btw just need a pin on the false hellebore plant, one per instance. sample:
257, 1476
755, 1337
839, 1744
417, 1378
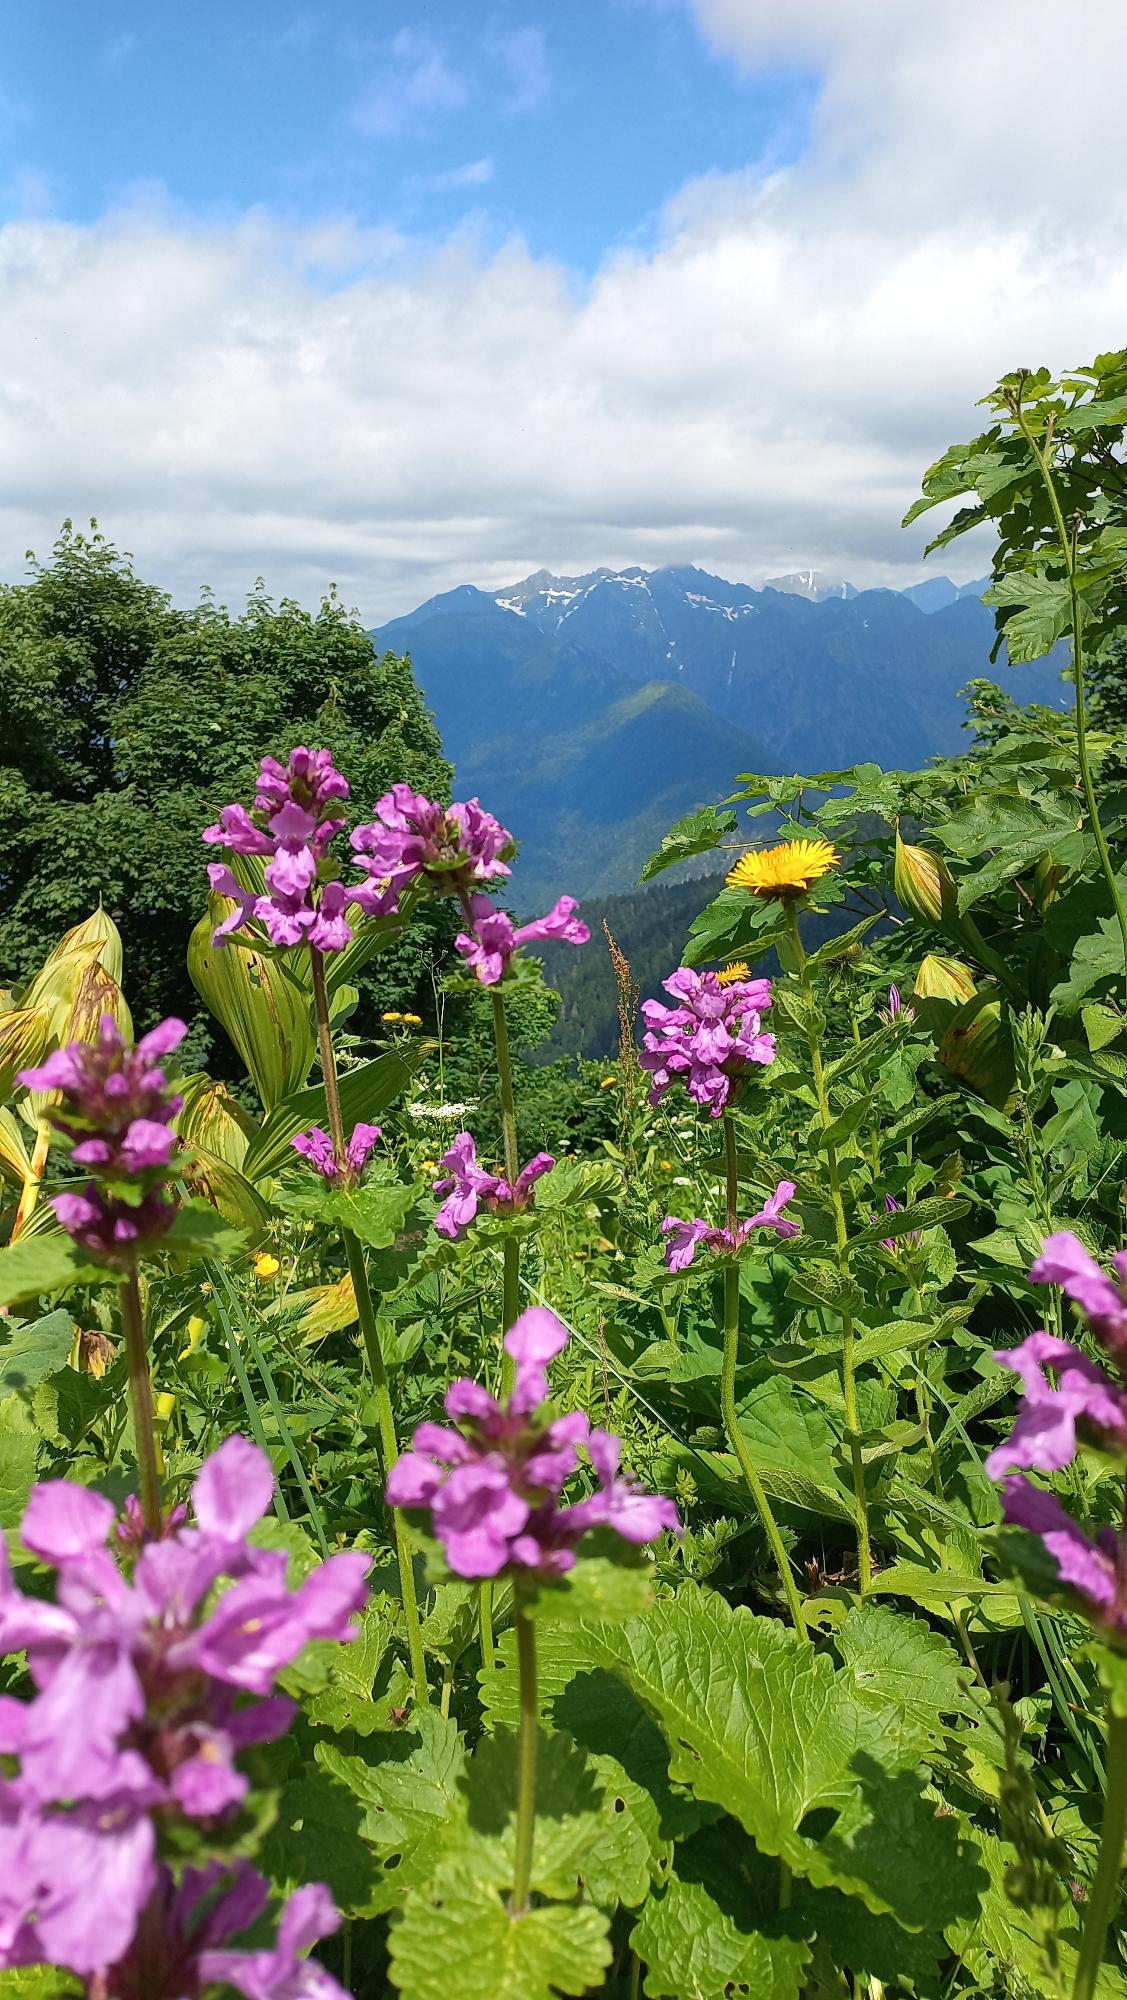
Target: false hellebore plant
1069, 1400
492, 1493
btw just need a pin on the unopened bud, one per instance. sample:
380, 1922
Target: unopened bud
923, 884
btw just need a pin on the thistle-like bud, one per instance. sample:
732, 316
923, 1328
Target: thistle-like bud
923, 884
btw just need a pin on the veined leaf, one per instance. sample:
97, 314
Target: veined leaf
758, 1724
365, 1092
905, 1221
699, 833
49, 1262
258, 1001
713, 1930
463, 1923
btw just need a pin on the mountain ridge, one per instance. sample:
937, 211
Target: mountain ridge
591, 711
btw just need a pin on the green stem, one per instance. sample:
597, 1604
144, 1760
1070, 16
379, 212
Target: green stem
528, 1734
485, 1620
1105, 1888
389, 1451
728, 1392
141, 1403
505, 1082
369, 1328
848, 1367
1067, 541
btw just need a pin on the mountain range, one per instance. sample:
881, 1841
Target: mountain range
590, 712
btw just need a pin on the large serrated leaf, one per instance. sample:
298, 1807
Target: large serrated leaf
759, 1724
49, 1262
712, 1933
905, 1221
699, 833
459, 1935
906, 1677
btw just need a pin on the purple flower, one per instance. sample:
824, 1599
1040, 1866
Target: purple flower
467, 1186
493, 940
1044, 1436
117, 1114
685, 1238
493, 1487
180, 1949
140, 1702
316, 1146
1065, 1262
293, 825
414, 843
1089, 1567
710, 1040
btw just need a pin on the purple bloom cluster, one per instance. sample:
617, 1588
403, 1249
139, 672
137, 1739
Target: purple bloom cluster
1083, 1402
117, 1113
493, 1487
291, 823
685, 1238
412, 842
709, 1040
141, 1703
468, 1186
180, 1949
492, 941
316, 1146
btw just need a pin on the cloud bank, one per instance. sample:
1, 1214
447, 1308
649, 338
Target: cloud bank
761, 388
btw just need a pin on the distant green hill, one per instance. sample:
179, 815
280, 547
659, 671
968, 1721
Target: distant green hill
651, 925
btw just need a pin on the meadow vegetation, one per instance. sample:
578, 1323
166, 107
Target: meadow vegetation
646, 1526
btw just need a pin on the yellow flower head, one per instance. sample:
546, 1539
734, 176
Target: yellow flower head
266, 1266
428, 1166
783, 871
608, 1083
666, 1166
392, 1017
729, 974
412, 1020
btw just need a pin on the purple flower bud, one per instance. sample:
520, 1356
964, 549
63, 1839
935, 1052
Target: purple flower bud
316, 1146
491, 945
291, 825
414, 843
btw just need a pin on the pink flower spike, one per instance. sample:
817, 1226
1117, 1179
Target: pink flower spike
1064, 1261
1044, 1436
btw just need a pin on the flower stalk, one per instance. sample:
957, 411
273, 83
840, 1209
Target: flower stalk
141, 1403
369, 1328
528, 1741
1109, 1868
848, 1366
736, 1438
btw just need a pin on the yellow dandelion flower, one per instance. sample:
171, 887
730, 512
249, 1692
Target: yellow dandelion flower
739, 969
608, 1083
266, 1266
428, 1166
412, 1020
391, 1017
666, 1166
783, 871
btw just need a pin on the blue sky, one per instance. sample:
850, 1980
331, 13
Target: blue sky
402, 297
571, 125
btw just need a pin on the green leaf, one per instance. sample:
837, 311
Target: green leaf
867, 1946
39, 1348
264, 1008
572, 1182
906, 1677
1044, 614
50, 1262
346, 1702
365, 1093
316, 1837
611, 1579
920, 1215
698, 833
734, 925
460, 1935
935, 1586
711, 1932
37, 1982
19, 1451
1009, 1938
1101, 1025
375, 1211
408, 1786
1112, 1670
844, 1125
198, 1229
826, 1285
569, 1819
760, 1725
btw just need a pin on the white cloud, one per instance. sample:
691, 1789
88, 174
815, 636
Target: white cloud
474, 173
760, 391
413, 81
523, 57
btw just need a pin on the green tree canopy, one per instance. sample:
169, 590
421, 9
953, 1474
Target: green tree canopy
129, 723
